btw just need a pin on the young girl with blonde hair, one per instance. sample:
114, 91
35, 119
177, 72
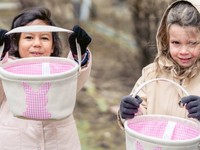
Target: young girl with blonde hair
178, 59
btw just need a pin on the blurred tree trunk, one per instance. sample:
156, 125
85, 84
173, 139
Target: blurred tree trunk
146, 15
82, 10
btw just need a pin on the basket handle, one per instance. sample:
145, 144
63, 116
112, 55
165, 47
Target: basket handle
161, 79
119, 120
43, 28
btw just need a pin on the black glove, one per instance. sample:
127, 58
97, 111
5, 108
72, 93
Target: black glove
129, 106
192, 104
82, 38
4, 39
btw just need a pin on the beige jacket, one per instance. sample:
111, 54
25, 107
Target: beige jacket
162, 97
22, 134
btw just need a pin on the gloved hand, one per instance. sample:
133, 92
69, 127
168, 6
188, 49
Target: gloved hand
83, 40
129, 106
192, 104
4, 39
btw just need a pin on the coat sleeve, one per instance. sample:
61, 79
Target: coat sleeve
84, 73
142, 95
2, 94
148, 73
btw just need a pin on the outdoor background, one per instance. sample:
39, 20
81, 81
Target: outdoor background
123, 41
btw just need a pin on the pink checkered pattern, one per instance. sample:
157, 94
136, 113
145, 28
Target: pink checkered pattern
36, 101
35, 68
156, 129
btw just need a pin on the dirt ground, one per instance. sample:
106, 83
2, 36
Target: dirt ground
114, 72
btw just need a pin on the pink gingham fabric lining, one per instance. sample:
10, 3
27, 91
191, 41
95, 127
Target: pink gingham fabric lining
36, 101
35, 68
156, 129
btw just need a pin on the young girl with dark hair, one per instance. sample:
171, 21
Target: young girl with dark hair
26, 134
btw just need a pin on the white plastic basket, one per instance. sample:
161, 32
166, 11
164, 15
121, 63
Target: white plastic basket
161, 132
40, 87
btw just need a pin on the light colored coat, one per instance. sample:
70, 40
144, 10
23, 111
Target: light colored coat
22, 134
162, 97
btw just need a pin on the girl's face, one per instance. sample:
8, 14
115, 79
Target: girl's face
35, 44
184, 45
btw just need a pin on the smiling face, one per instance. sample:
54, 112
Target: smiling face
35, 44
184, 45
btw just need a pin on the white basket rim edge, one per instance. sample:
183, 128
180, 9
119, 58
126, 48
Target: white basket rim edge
162, 141
9, 75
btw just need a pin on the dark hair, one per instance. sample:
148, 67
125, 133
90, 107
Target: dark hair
27, 16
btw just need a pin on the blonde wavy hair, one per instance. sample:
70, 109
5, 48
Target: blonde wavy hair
184, 14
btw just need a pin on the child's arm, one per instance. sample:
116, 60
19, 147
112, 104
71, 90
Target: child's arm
83, 39
85, 71
2, 94
4, 39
